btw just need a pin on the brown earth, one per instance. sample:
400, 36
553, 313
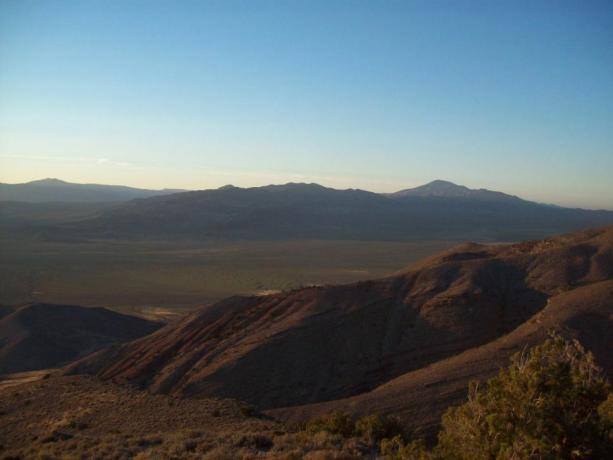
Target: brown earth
41, 336
373, 338
422, 396
82, 417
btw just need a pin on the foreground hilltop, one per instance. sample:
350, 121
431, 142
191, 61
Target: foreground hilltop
325, 343
41, 336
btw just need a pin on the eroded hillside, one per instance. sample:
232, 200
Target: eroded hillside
324, 343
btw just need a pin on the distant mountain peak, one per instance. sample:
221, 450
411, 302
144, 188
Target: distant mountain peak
296, 186
442, 186
441, 182
446, 189
48, 181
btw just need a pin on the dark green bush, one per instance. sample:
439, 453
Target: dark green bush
371, 428
544, 406
375, 428
605, 411
552, 402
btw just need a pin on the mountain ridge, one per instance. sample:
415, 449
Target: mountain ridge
57, 190
434, 188
311, 211
438, 210
378, 330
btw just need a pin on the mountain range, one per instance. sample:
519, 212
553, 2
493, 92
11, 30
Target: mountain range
54, 190
439, 210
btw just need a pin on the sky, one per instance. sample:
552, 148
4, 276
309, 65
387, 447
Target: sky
379, 95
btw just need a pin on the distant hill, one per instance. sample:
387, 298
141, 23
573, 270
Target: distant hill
324, 343
439, 210
41, 336
49, 190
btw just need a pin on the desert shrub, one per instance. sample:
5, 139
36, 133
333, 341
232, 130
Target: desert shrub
372, 428
149, 441
254, 441
545, 406
329, 455
221, 453
335, 423
375, 428
247, 410
397, 448
605, 412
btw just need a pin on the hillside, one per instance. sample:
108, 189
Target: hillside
41, 336
80, 417
325, 343
53, 190
422, 396
309, 211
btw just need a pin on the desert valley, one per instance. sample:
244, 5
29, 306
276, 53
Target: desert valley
241, 374
306, 229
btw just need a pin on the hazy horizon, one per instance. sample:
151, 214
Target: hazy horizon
515, 97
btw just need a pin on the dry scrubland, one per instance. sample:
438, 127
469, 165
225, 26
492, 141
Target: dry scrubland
551, 402
162, 278
403, 346
81, 417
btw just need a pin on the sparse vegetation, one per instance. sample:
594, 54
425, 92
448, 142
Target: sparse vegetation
397, 448
371, 429
376, 428
337, 423
553, 402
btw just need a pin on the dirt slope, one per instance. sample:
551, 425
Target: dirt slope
422, 396
81, 417
325, 343
40, 336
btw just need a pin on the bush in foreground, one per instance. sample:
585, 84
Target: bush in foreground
551, 403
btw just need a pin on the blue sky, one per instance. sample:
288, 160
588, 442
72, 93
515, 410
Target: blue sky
381, 95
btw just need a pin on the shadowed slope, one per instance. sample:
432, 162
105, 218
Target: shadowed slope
326, 343
41, 336
422, 396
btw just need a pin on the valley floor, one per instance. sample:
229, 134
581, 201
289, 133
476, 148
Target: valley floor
163, 279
